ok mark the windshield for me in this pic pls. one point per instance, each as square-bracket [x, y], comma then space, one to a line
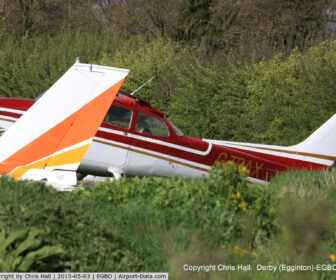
[176, 129]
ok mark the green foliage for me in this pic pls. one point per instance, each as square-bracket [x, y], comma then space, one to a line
[178, 194]
[207, 101]
[85, 230]
[161, 58]
[277, 101]
[155, 224]
[22, 250]
[29, 66]
[193, 21]
[197, 204]
[288, 99]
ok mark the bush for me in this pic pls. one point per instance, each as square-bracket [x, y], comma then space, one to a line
[30, 66]
[154, 224]
[159, 57]
[277, 101]
[85, 230]
[196, 204]
[288, 99]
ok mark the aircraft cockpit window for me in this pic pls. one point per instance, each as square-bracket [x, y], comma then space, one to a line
[151, 125]
[119, 117]
[176, 129]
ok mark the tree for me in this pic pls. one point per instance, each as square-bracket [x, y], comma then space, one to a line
[263, 27]
[133, 17]
[30, 17]
[193, 21]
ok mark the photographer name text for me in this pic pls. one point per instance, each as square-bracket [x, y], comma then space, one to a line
[259, 267]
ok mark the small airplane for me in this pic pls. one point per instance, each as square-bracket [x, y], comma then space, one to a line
[84, 125]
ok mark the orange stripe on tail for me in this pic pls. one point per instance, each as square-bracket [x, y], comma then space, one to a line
[78, 127]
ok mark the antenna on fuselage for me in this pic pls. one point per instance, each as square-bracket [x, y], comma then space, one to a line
[142, 85]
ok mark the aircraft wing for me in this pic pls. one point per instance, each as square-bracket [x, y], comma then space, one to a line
[50, 140]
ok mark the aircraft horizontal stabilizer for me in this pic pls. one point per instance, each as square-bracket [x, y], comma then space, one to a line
[50, 140]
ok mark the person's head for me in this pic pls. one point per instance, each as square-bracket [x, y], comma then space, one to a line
[141, 124]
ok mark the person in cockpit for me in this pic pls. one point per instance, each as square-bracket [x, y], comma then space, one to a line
[141, 125]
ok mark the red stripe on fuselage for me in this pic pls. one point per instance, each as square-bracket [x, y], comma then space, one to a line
[273, 164]
[10, 114]
[290, 163]
[154, 146]
[260, 167]
[16, 103]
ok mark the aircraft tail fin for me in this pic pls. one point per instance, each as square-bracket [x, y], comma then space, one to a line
[55, 133]
[319, 147]
[322, 141]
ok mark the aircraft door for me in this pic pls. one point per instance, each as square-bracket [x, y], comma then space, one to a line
[146, 155]
[110, 146]
[169, 165]
[165, 168]
[162, 144]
